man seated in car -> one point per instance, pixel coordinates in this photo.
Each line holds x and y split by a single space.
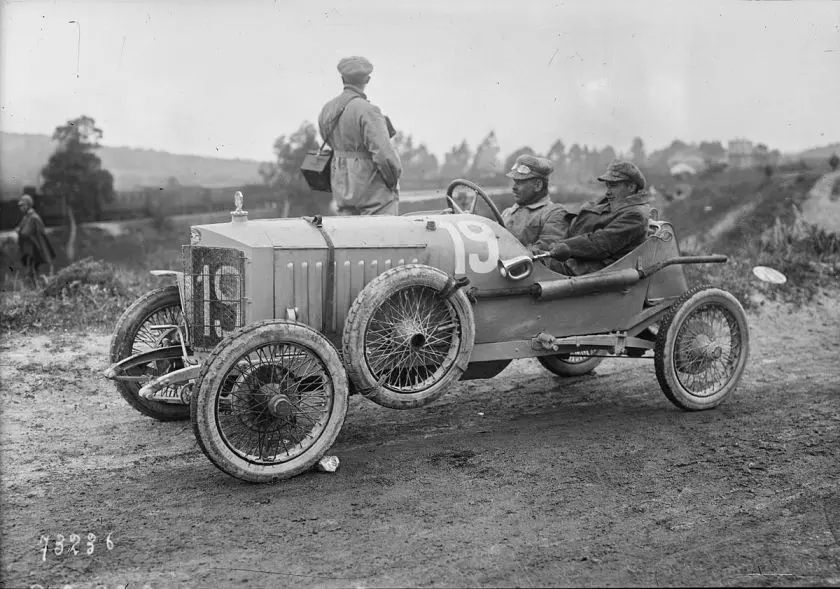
534 219
605 230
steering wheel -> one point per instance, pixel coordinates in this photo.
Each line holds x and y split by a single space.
478 190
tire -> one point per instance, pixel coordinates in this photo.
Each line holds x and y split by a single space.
132 335
268 389
571 365
702 348
404 362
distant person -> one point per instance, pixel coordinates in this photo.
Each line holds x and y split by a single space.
365 168
534 219
605 230
33 243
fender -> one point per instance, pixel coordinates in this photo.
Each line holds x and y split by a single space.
179 281
118 371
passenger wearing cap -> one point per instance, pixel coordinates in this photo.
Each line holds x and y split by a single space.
535 220
605 230
365 168
33 243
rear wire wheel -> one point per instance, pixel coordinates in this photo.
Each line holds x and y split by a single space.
404 342
702 348
575 364
135 333
269 401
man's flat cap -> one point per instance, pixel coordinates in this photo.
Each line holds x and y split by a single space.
623 171
355 67
530 166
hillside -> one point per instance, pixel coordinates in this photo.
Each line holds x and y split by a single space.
820 153
22 155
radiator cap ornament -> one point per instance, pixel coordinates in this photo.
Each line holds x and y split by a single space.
238 215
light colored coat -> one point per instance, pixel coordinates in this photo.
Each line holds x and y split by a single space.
539 225
365 167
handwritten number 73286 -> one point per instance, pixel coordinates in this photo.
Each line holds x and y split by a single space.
72 544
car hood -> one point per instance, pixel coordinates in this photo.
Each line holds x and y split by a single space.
302 233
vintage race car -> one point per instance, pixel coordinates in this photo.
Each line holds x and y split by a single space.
274 323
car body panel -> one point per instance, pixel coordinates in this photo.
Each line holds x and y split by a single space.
287 274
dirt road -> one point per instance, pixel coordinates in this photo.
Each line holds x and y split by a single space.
823 207
523 480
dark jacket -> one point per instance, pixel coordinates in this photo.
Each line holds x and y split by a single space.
539 225
365 167
604 231
35 247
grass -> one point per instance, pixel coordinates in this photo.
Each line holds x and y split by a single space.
774 234
90 296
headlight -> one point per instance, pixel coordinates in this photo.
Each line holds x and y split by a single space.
195 236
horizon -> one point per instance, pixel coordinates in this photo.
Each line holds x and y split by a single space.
594 75
502 153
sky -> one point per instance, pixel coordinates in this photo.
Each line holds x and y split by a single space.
225 78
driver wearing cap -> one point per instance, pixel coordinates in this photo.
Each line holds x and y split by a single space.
535 220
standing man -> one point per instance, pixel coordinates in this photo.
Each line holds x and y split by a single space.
605 230
365 167
33 243
535 220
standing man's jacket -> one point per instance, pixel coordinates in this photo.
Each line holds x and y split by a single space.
35 247
365 167
604 231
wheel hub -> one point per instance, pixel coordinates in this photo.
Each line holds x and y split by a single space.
708 347
280 406
410 333
702 350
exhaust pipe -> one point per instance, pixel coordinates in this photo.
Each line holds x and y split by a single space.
521 267
579 285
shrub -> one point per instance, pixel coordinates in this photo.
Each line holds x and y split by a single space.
808 256
85 276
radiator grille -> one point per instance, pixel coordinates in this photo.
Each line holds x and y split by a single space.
214 293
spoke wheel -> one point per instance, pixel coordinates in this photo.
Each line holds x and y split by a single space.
576 364
702 349
404 343
134 333
270 401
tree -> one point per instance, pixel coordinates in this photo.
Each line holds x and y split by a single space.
403 145
591 162
557 154
637 151
712 151
284 173
418 164
605 158
575 160
486 161
456 163
74 175
834 161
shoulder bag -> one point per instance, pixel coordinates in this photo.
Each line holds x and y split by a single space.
316 164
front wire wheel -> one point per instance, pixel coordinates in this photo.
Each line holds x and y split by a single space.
269 401
134 333
405 342
702 348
